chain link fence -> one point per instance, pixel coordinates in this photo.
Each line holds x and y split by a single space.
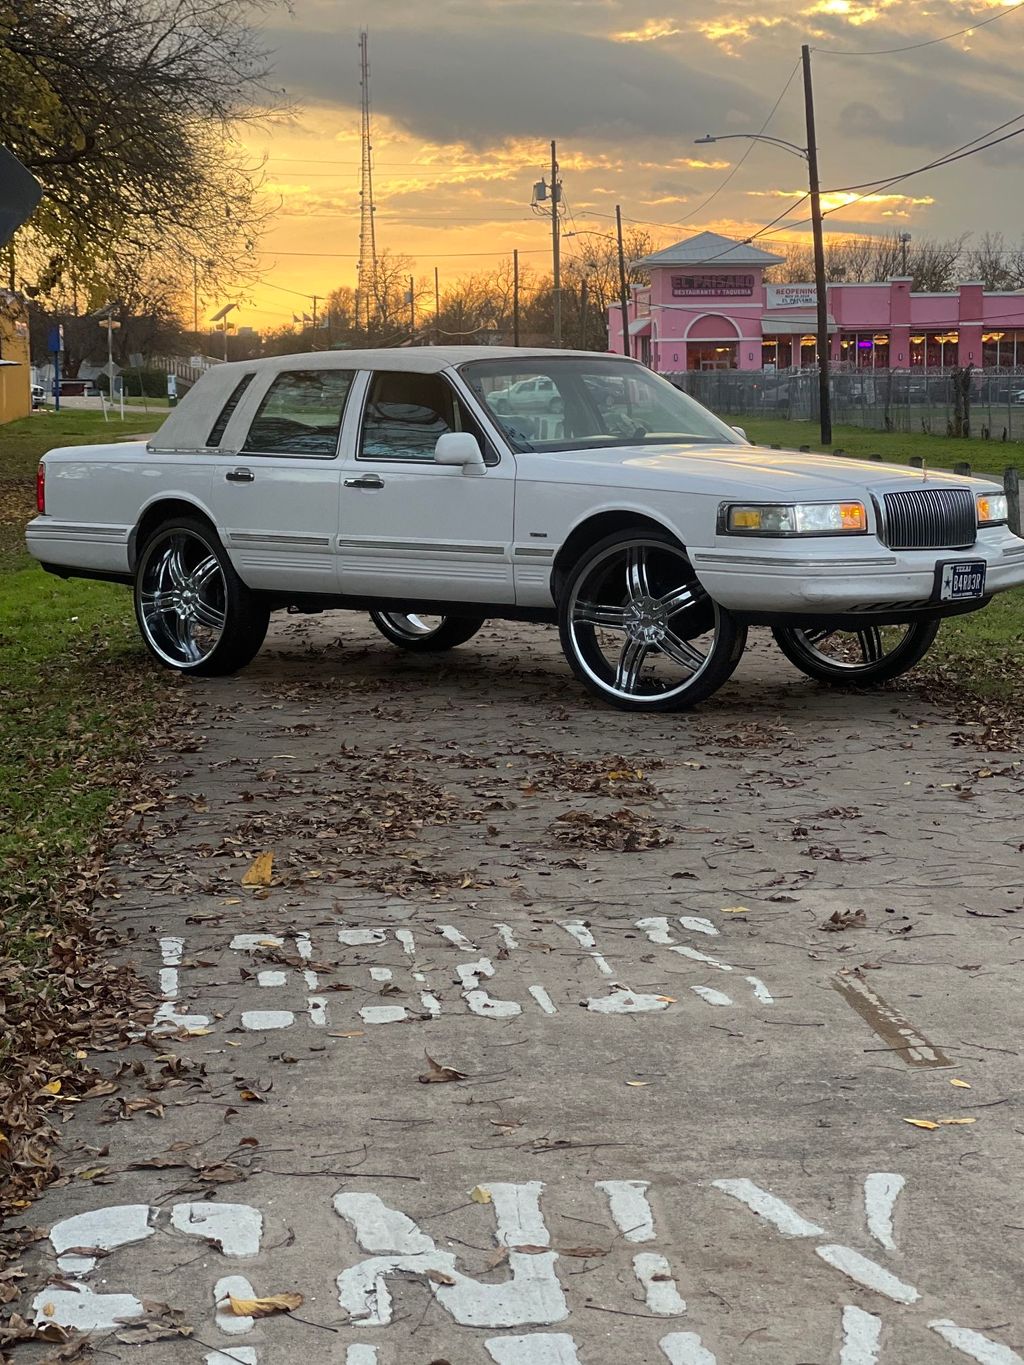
881 400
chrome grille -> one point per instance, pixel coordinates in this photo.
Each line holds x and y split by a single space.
930 519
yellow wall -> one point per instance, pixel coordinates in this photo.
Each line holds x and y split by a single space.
15 384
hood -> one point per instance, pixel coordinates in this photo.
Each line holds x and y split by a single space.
739 469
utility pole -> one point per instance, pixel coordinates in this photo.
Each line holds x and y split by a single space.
195 300
412 308
623 291
515 297
367 271
314 298
556 245
584 300
437 307
824 388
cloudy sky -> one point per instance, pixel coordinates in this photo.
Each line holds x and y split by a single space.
467 95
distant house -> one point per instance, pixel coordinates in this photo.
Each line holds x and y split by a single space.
707 308
15 369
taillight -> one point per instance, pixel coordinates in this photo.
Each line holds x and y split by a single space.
41 489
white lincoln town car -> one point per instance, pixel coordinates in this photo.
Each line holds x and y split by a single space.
437 487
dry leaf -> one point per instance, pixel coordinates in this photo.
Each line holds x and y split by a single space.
352 1033
921 1123
638 1083
529 1249
734 910
844 919
497 1258
585 1253
438 1074
262 1308
439 1276
260 871
479 1195
52 1088
957 1122
961 1085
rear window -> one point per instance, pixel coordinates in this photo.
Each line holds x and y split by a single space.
220 426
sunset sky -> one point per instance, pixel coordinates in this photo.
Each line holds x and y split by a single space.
468 93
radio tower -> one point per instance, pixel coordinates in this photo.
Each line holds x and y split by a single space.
367 282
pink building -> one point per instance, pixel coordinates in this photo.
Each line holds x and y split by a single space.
707 308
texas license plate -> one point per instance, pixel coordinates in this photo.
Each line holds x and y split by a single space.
962 580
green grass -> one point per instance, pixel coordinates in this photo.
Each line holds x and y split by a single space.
77 697
942 452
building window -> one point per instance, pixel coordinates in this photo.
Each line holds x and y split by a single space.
711 355
808 350
934 350
864 350
1004 348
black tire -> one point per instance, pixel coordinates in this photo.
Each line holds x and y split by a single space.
409 630
184 584
881 658
639 583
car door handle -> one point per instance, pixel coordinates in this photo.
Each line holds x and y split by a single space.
240 476
365 481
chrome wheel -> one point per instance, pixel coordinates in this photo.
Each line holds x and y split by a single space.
411 625
181 598
858 658
638 628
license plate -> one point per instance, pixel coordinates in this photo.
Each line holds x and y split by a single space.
962 580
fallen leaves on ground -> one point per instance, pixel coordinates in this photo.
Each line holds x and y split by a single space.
265 1307
260 871
438 1074
931 1124
844 919
622 831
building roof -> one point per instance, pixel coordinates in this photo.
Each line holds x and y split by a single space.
709 247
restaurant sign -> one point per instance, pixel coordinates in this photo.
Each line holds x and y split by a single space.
711 285
791 296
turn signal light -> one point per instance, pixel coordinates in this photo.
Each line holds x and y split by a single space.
41 489
852 516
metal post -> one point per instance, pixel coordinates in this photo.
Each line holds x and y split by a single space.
623 291
556 247
437 307
824 392
515 297
195 299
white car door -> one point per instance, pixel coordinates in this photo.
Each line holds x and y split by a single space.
275 494
412 529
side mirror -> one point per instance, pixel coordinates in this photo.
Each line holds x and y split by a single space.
459 448
740 432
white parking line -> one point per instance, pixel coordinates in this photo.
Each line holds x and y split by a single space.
867 1273
862 1335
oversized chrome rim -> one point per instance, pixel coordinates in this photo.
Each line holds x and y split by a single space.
852 651
182 598
642 627
411 625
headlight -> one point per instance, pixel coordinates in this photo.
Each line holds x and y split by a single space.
793 519
993 509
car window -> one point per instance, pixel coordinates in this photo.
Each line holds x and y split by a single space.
406 413
301 414
227 411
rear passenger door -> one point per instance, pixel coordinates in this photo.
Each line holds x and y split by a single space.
275 494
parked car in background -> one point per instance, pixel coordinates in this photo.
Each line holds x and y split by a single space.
401 483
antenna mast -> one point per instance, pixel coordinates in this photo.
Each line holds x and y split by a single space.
367 281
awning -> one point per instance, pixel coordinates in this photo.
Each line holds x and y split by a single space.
639 325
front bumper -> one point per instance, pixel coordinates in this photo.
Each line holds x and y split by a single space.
835 576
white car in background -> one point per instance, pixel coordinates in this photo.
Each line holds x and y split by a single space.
396 482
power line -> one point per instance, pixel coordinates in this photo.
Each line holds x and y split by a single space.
913 47
957 154
432 255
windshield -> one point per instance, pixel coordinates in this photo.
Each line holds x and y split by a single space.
575 403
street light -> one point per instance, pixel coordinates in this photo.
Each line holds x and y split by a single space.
903 239
222 318
810 155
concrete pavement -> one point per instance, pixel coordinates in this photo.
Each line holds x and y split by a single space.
559 1036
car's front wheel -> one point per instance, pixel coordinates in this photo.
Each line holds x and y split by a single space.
857 658
425 634
638 629
194 612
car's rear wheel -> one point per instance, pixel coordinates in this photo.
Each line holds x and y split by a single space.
423 633
638 629
857 658
194 612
